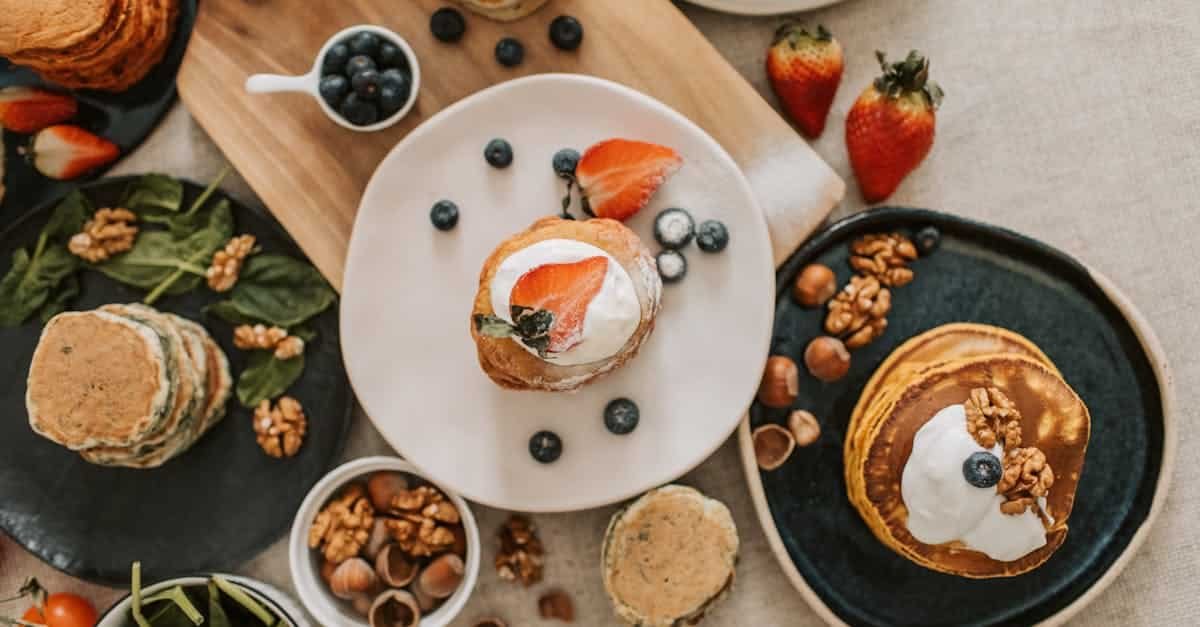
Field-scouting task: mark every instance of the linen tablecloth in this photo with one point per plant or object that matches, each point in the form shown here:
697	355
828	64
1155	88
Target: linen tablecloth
1073	121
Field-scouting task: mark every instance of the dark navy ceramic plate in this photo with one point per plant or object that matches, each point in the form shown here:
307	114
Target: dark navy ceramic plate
980	273
211	508
125	119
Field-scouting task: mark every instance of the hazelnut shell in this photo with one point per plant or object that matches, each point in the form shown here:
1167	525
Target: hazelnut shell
442	576
804	427
490	621
556	604
351	577
394	608
827	358
772	446
780	383
815	285
377	540
394	568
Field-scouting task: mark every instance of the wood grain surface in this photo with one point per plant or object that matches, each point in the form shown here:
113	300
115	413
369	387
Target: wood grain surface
311	173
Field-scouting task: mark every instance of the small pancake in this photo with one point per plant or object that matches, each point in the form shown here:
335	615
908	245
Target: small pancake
1053	419
503	10
51	24
94	69
143	60
668	557
81	359
45	57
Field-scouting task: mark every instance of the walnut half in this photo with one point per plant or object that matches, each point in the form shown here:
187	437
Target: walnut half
343	525
108	232
520	555
280	431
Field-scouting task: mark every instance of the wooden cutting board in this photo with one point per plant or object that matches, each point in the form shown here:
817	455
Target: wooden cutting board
311	172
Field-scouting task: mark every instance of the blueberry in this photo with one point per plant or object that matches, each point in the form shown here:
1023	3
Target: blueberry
447	24
366	84
564	162
566	33
545	446
928	239
982	469
359	63
712	236
396	78
444	215
335	60
621	416
366	43
391	100
390	55
510	52
674	228
359	112
498	153
672	265
333	88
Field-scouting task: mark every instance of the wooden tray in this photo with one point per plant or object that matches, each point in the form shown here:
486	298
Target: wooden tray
311	173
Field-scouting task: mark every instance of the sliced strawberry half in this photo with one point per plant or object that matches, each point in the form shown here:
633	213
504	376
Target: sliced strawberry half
65	152
565	290
618	176
29	109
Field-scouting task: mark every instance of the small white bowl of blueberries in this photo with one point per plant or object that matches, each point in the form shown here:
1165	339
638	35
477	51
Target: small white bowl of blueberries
365	78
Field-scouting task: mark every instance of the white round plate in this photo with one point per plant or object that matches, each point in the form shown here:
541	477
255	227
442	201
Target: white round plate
409	290
762	7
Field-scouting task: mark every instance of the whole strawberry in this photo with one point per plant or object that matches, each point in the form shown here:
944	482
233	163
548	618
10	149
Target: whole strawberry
889	130
805	70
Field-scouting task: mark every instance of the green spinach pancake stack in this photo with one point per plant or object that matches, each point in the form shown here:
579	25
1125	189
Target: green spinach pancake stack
126	385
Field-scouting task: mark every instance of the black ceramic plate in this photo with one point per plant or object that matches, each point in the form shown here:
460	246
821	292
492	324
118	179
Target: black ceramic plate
125	119
211	508
990	275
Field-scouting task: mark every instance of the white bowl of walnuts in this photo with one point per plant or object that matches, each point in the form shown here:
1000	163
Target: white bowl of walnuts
377	544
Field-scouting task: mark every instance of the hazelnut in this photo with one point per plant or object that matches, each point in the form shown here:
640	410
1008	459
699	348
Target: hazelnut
490	621
383	487
394	608
804	427
377	540
362	604
351	577
460	541
772	446
814	285
827	358
394	567
442	576
780	383
556	604
425	601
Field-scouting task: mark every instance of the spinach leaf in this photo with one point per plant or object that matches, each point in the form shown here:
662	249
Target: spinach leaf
280	290
152	194
67	219
60	298
159	257
32	281
227	311
266	377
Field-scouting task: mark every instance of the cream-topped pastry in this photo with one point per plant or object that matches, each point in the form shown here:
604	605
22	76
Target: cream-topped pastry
944	507
611	317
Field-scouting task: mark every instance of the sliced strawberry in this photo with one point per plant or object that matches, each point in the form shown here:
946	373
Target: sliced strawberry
29	109
618	176
65	152
564	289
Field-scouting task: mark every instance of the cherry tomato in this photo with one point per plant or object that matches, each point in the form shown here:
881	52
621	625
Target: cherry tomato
63	610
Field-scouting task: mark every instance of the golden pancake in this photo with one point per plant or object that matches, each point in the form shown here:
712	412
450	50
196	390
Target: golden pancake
42	58
96	69
50	24
1052	419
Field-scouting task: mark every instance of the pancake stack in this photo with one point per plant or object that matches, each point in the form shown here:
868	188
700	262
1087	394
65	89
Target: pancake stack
126	385
107	45
945	367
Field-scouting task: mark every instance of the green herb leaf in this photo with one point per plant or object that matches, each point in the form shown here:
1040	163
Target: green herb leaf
245	600
280	290
494	326
266	377
59	298
216	614
227	311
68	218
532	327
178	598
153	193
31	281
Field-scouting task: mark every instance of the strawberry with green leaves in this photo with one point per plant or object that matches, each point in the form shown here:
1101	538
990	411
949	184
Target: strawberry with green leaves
890	128
805	70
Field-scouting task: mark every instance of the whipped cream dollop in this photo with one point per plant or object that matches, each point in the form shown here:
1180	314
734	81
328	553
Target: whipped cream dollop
943	507
612	316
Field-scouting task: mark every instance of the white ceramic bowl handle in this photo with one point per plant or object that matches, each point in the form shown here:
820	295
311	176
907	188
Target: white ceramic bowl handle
268	83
